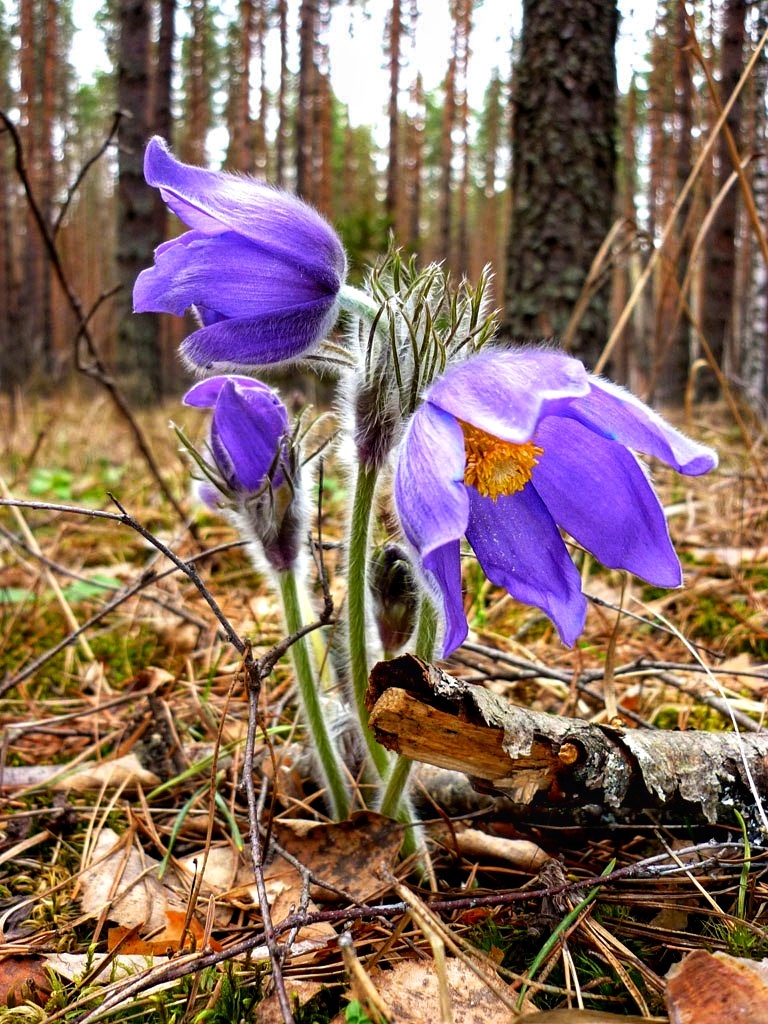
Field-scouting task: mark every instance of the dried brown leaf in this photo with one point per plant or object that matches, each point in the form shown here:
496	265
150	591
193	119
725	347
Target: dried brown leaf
706	988
356	856
410	990
122	883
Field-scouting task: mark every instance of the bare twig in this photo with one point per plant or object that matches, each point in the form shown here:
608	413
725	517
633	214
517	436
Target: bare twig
83	172
699	857
96	370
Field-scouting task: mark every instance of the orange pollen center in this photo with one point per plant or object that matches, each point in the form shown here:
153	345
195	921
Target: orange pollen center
495	467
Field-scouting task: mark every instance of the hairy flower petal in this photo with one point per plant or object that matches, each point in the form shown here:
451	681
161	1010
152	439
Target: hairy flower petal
520	548
600	494
506	391
277	222
430	496
227	344
459	472
248	426
262	269
443	573
616	413
192	269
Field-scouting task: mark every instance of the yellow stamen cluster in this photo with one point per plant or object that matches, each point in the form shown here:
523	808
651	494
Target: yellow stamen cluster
495	467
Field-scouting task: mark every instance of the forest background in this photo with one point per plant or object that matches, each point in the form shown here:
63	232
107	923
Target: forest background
579	194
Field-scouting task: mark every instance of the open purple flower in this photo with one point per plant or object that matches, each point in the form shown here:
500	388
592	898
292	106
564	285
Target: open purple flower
257	463
508	446
261	269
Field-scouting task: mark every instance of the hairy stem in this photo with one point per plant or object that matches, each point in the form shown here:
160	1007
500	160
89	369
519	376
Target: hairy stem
397	780
328	755
357	567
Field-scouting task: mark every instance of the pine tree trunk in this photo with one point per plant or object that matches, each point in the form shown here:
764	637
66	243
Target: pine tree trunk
138	356
563	168
281	143
8	238
754	365
463	19
29	343
240	155
720	266
672	360
445	198
305	112
394	170
197	112
414	169
260	127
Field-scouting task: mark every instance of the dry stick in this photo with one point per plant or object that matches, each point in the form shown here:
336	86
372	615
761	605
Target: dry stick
122	595
651	867
683	306
669	226
553	766
526	669
733	153
591	283
117	117
255	671
253	685
96	370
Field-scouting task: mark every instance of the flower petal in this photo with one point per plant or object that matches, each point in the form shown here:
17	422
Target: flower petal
203	395
505	392
615	413
258	340
597	491
520	548
214	201
443	572
247	428
430	495
225	273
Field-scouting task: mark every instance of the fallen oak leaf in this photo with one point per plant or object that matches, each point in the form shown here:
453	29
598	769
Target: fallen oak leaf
355	856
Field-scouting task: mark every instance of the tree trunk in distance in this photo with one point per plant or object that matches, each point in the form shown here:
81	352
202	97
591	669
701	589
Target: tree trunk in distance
563	162
718	295
138	336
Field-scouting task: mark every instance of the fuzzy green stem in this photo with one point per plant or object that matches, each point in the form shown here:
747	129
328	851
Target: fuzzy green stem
327	754
426	634
317	638
397	781
358	303
357	567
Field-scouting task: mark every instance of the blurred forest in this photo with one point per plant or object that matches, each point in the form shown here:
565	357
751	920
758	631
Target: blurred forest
631	225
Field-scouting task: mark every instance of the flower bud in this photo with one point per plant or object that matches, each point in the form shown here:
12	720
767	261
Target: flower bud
395	596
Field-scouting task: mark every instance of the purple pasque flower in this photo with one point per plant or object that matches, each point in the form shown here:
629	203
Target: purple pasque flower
509	445
248	430
257	462
261	269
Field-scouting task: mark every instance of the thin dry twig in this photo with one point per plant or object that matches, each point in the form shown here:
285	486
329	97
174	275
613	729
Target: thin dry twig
95	369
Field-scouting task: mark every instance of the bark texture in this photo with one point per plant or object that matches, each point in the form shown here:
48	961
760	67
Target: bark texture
138	337
564	106
550	767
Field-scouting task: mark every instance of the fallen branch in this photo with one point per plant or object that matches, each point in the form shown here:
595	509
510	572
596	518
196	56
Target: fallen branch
548	766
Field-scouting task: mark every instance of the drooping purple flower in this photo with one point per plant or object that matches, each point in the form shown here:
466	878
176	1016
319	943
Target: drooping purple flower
261	269
509	445
248	429
251	449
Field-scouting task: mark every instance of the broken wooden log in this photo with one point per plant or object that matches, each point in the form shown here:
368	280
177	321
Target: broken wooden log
546	765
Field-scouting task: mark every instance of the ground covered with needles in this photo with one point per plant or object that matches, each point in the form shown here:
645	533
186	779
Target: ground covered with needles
142	827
